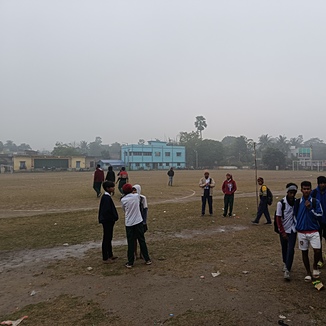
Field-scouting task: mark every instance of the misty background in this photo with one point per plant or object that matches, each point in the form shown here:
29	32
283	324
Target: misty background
71	71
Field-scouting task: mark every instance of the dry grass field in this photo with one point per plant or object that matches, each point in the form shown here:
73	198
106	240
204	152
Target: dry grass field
51	268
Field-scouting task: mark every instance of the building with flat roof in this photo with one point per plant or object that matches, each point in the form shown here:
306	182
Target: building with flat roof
157	155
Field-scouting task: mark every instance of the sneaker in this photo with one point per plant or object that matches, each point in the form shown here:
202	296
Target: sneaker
307	278
148	262
224	215
286	275
254	222
284	268
315	273
128	265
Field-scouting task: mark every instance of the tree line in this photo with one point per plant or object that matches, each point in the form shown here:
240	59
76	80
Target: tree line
231	150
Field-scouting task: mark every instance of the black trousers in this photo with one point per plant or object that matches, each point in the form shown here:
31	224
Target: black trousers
136	232
107	240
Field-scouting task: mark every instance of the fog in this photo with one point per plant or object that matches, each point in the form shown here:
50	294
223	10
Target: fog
130	70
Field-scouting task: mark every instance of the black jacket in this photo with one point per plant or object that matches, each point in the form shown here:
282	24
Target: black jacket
107	211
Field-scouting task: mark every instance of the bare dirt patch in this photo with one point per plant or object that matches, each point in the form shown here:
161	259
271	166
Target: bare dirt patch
71	285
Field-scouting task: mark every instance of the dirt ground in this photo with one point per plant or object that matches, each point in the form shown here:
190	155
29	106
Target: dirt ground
178	288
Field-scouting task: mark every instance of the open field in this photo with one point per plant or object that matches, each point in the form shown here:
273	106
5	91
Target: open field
50	244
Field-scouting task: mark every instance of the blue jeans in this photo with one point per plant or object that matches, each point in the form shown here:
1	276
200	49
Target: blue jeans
288	249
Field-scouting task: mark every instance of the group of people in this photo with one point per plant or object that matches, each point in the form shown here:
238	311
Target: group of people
303	218
229	187
110	176
135	209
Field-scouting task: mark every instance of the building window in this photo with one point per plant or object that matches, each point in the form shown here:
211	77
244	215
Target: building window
157	153
167	164
136	153
160	164
147	154
137	164
147	165
167	154
178	164
77	164
22	165
178	153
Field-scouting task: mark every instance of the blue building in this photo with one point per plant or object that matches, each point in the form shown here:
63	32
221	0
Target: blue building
157	155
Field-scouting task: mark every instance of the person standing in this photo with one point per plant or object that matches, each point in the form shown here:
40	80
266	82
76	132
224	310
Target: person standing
110	176
263	203
134	225
320	194
123	178
136	189
308	212
98	180
286	226
207	184
107	216
170	173
229	187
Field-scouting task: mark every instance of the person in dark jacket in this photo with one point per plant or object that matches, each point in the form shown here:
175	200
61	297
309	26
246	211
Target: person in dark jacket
263	203
320	194
107	216
110	176
229	187
170	173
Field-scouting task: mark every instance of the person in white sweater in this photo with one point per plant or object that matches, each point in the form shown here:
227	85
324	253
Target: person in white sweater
134	225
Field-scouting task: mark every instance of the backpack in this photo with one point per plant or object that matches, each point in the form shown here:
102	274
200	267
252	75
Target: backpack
275	223
269	197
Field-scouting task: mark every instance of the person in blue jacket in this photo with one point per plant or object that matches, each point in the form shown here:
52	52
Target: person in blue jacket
308	212
320	194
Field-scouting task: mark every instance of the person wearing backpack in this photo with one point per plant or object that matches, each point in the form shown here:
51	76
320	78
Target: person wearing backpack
285	221
308	211
265	196
320	194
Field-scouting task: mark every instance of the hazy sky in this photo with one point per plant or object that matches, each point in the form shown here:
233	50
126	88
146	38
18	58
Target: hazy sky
72	70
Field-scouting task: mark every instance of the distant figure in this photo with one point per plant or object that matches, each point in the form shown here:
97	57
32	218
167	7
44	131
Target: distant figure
171	175
136	189
263	204
110	176
229	187
207	184
107	216
122	179
98	180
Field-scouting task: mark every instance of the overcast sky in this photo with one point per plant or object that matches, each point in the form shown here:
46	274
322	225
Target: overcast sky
72	70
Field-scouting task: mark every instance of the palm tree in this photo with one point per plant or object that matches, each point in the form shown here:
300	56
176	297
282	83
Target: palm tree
264	141
283	144
200	124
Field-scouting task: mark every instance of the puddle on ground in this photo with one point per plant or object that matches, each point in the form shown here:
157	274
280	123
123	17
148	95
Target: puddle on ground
21	258
188	234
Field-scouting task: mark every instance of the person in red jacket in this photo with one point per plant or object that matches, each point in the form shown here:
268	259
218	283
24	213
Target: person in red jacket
98	180
229	187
